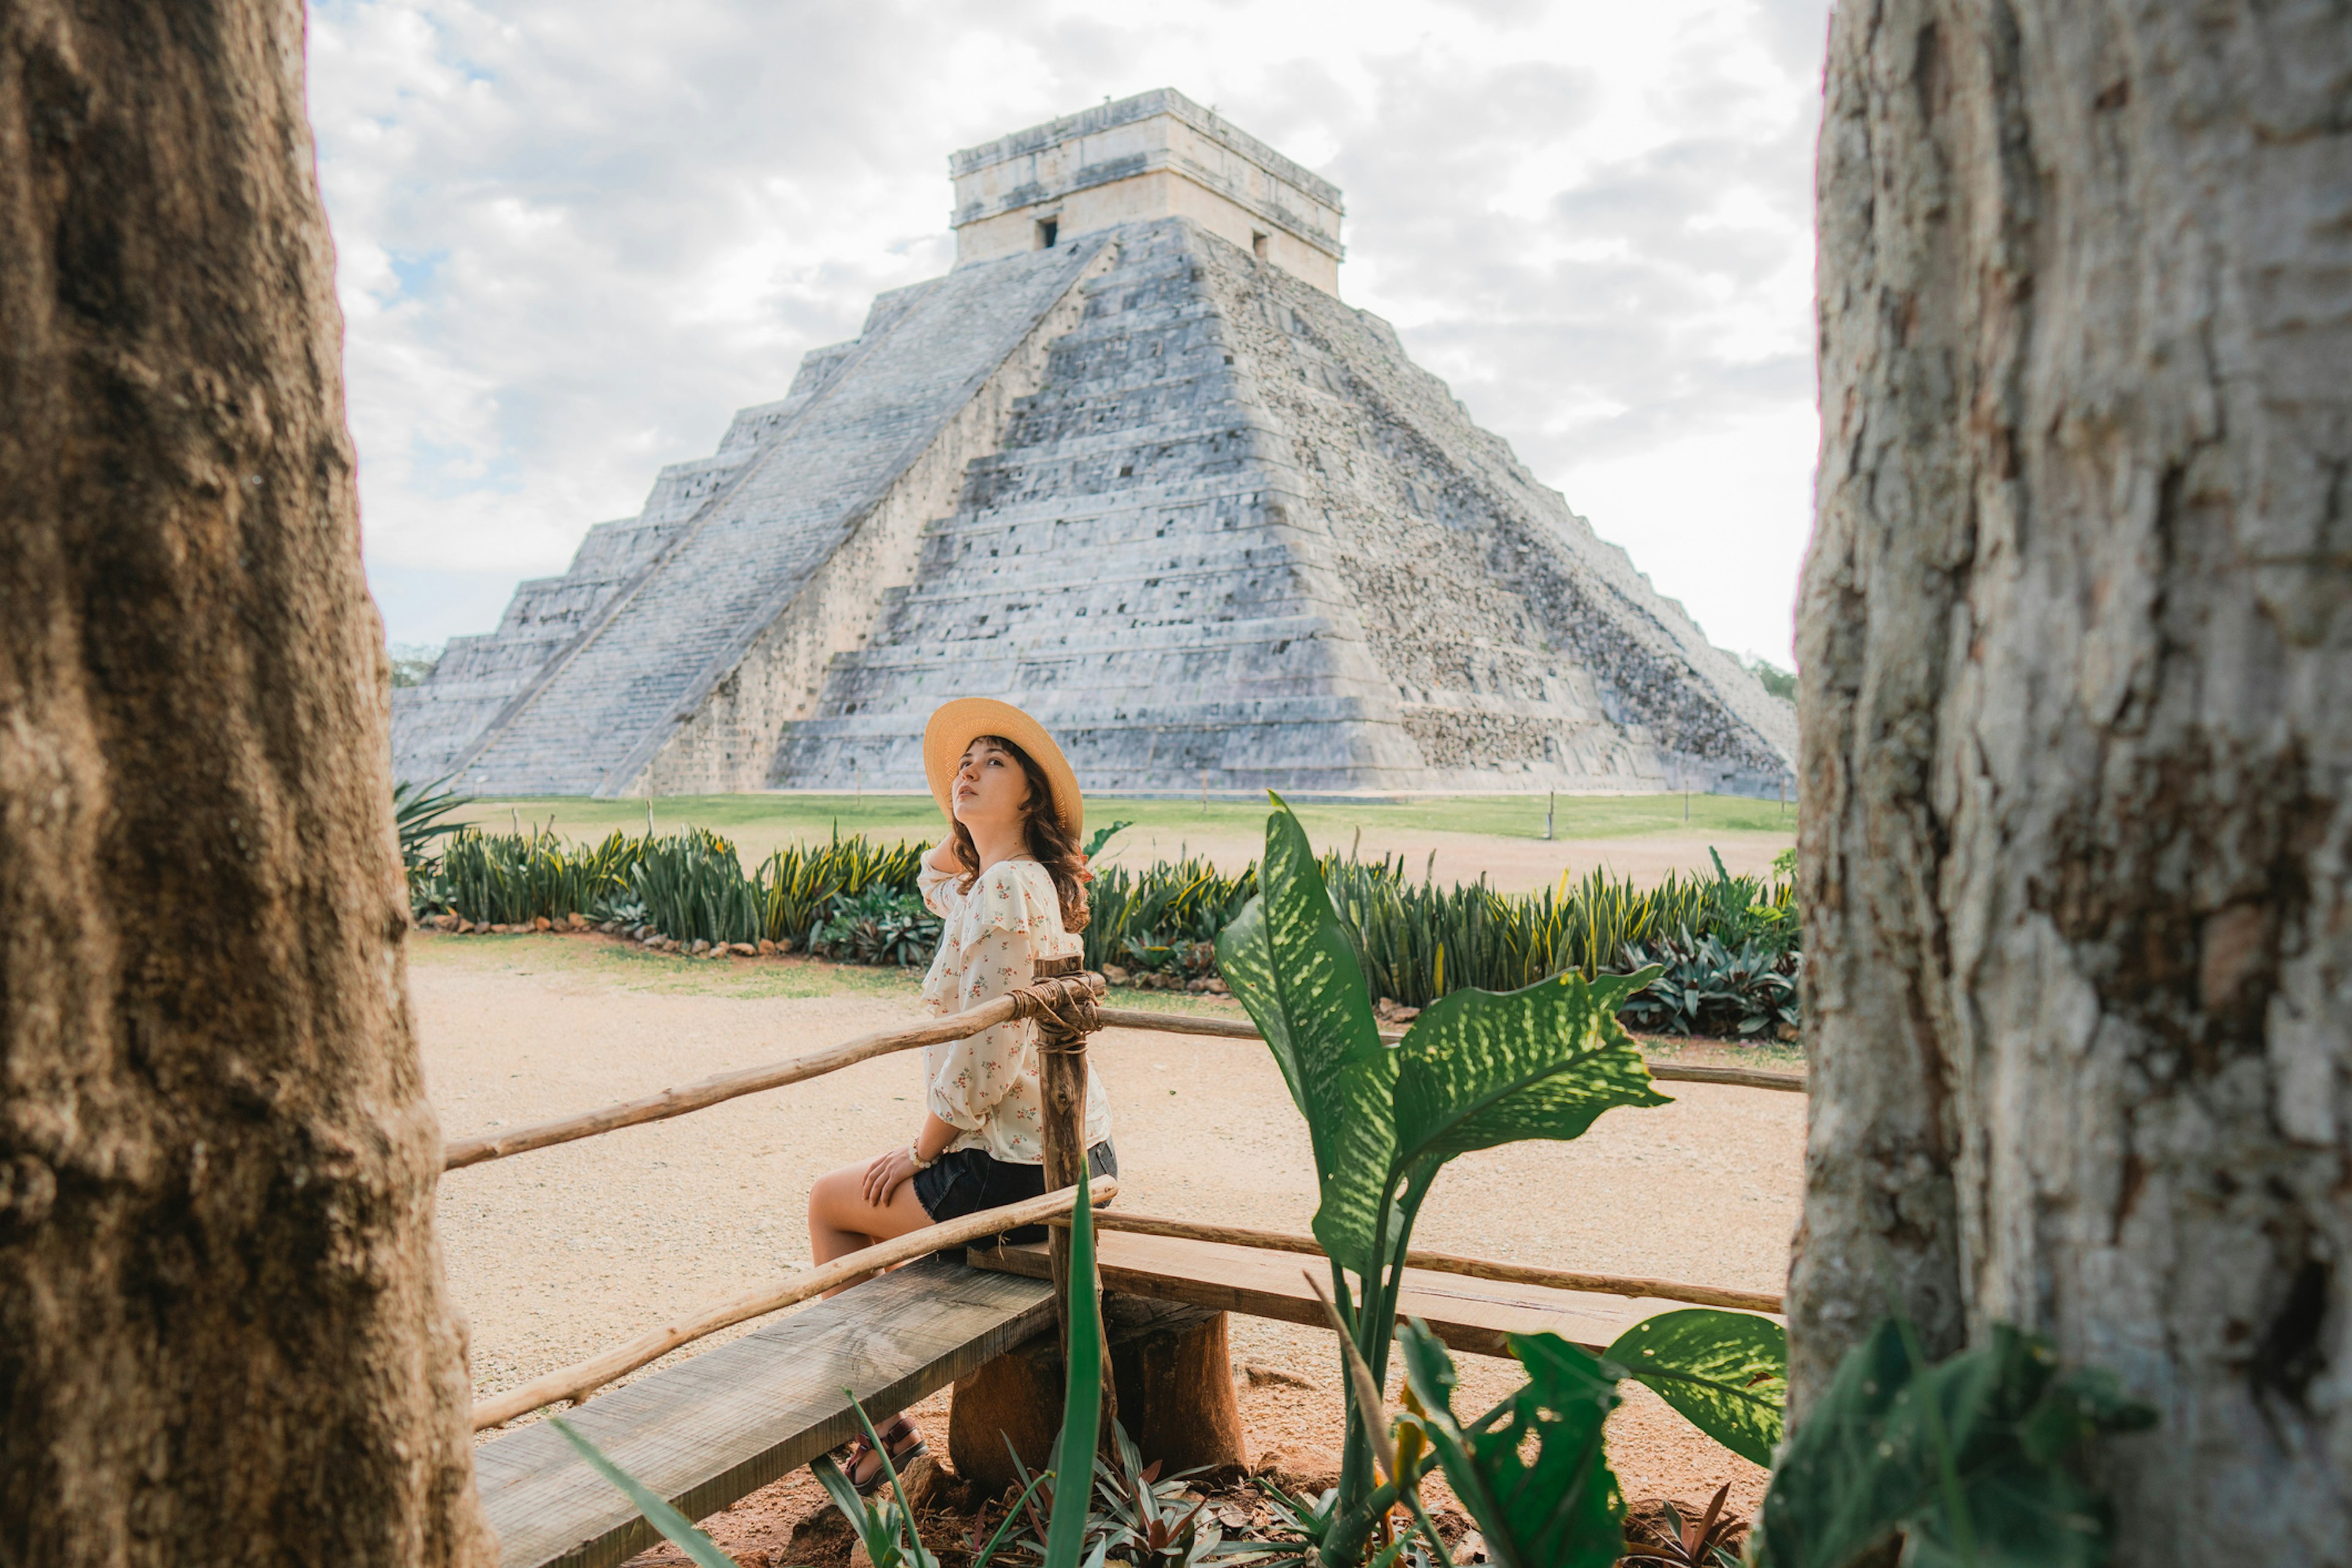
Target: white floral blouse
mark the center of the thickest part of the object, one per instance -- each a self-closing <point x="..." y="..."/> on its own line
<point x="985" y="1086"/>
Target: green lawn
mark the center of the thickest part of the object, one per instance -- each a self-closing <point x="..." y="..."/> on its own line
<point x="891" y="816"/>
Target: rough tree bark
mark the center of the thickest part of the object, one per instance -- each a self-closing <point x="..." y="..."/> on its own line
<point x="2077" y="634"/>
<point x="222" y="1337"/>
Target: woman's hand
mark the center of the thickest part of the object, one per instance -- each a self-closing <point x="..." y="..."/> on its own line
<point x="884" y="1174"/>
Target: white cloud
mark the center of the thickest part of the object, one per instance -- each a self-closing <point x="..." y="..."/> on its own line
<point x="574" y="237"/>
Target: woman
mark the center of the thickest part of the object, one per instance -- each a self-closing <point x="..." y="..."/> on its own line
<point x="1009" y="883"/>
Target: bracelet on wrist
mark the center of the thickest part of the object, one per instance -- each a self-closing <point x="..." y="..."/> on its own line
<point x="915" y="1157"/>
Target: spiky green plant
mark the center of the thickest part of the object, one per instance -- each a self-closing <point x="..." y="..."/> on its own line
<point x="515" y="878"/>
<point x="693" y="888"/>
<point x="421" y="813"/>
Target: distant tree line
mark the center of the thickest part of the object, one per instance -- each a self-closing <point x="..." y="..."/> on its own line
<point x="413" y="661"/>
<point x="1780" y="683"/>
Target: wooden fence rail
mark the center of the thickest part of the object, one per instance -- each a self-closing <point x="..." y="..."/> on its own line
<point x="582" y="1378"/>
<point x="723" y="1086"/>
<point x="1450" y="1263"/>
<point x="1243" y="1029"/>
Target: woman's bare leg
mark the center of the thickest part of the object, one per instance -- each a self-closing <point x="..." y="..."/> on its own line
<point x="842" y="1221"/>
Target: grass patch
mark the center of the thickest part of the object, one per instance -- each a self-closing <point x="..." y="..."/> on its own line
<point x="888" y="816"/>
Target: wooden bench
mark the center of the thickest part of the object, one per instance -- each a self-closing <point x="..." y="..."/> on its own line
<point x="1470" y="1315"/>
<point x="711" y="1430"/>
<point x="708" y="1431"/>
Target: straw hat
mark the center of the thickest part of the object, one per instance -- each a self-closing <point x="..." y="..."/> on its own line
<point x="958" y="724"/>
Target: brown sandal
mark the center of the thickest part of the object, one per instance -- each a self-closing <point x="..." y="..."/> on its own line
<point x="905" y="1445"/>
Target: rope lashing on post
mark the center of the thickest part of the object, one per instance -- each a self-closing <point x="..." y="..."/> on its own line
<point x="1068" y="1006"/>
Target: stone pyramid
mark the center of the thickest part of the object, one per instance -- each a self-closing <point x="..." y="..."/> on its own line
<point x="1131" y="465"/>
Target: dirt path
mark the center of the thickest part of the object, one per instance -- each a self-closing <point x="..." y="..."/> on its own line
<point x="557" y="1254"/>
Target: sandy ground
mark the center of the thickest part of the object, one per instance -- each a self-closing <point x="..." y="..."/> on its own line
<point x="557" y="1254"/>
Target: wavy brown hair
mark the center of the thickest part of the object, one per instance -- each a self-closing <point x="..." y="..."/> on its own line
<point x="1049" y="844"/>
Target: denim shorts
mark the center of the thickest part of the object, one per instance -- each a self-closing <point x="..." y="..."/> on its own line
<point x="966" y="1180"/>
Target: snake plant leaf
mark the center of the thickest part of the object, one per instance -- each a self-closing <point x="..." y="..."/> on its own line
<point x="1531" y="1473"/>
<point x="1726" y="1372"/>
<point x="1289" y="961"/>
<point x="1065" y="1528"/>
<point x="1479" y="1068"/>
<point x="1868" y="1461"/>
<point x="655" y="1509"/>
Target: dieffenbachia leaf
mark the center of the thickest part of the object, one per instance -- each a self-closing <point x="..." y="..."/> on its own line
<point x="1533" y="1477"/>
<point x="1289" y="961"/>
<point x="1867" y="1461"/>
<point x="1728" y="1372"/>
<point x="1479" y="1068"/>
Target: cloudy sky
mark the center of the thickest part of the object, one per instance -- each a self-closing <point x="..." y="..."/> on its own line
<point x="575" y="235"/>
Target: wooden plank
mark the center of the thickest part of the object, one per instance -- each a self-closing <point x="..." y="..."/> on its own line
<point x="581" y="1379"/>
<point x="1470" y="1315"/>
<point x="719" y="1426"/>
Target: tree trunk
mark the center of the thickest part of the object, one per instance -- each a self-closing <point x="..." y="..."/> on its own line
<point x="2077" y="639"/>
<point x="1175" y="1376"/>
<point x="222" y="1337"/>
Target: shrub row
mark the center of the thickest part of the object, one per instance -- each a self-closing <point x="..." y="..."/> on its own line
<point x="1729" y="944"/>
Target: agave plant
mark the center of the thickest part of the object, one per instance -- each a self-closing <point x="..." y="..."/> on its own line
<point x="1704" y="987"/>
<point x="1710" y="1540"/>
<point x="1150" y="1525"/>
<point x="877" y="926"/>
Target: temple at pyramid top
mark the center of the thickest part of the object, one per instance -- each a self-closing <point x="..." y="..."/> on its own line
<point x="1157" y="154"/>
<point x="1132" y="465"/>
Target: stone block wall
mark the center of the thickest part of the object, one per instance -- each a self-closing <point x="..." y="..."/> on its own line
<point x="1204" y="520"/>
<point x="1238" y="534"/>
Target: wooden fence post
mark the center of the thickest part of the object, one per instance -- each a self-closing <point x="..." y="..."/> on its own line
<point x="1067" y="1015"/>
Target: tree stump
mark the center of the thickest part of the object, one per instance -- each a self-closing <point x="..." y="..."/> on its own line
<point x="1174" y="1373"/>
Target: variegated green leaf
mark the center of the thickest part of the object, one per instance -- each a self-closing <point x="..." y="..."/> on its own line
<point x="1532" y="1474"/>
<point x="1728" y="1372"/>
<point x="1477" y="1068"/>
<point x="1289" y="961"/>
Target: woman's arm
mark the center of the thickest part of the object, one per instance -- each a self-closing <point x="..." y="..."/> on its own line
<point x="942" y="856"/>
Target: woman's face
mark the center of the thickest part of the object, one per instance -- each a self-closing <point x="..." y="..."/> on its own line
<point x="990" y="788"/>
